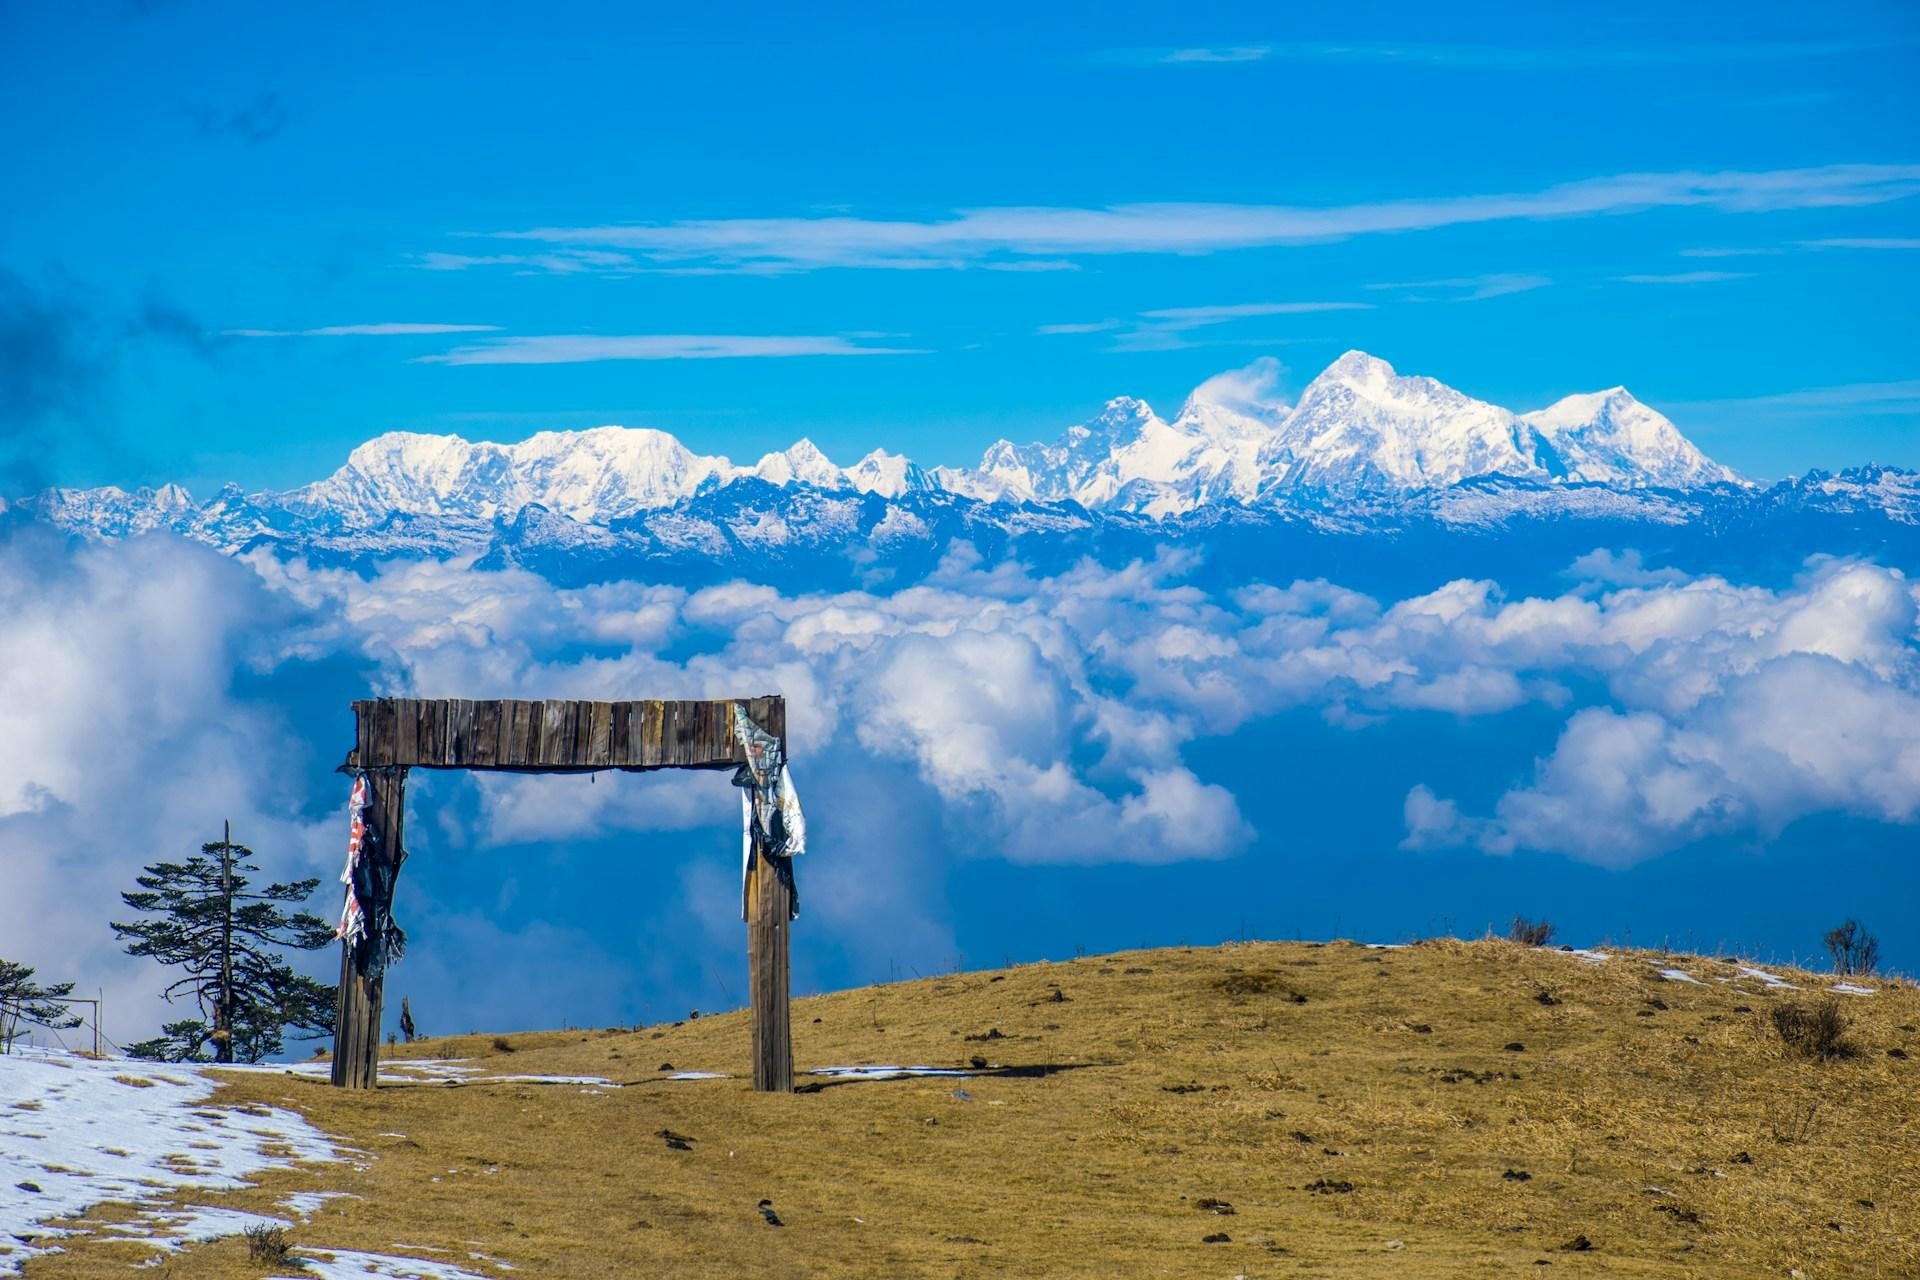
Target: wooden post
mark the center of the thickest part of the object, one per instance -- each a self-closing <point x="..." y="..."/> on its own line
<point x="356" y="1028"/>
<point x="769" y="919"/>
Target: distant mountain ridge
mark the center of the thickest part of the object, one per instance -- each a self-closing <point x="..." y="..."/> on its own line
<point x="1365" y="453"/>
<point x="1358" y="429"/>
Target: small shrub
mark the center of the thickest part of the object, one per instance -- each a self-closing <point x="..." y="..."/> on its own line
<point x="1530" y="933"/>
<point x="268" y="1244"/>
<point x="1814" y="1029"/>
<point x="1252" y="984"/>
<point x="1854" y="950"/>
<point x="502" y="1045"/>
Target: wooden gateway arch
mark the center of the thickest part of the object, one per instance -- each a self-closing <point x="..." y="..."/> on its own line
<point x="393" y="735"/>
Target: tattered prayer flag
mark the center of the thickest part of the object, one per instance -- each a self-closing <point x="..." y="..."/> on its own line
<point x="353" y="919"/>
<point x="769" y="803"/>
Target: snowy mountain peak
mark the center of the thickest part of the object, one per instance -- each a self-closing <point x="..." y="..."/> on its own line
<point x="1123" y="413"/>
<point x="1609" y="437"/>
<point x="801" y="463"/>
<point x="1358" y="369"/>
<point x="889" y="474"/>
<point x="1360" y="426"/>
<point x="600" y="474"/>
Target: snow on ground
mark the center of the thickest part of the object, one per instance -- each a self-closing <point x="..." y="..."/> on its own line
<point x="347" y="1264"/>
<point x="1766" y="979"/>
<point x="401" y="1071"/>
<point x="886" y="1073"/>
<point x="1772" y="981"/>
<point x="76" y="1131"/>
<point x="308" y="1203"/>
<point x="174" y="1229"/>
<point x="1678" y="975"/>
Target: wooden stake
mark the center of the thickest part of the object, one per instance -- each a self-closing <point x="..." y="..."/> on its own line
<point x="356" y="1028"/>
<point x="769" y="912"/>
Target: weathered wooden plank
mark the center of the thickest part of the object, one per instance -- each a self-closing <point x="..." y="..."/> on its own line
<point x="423" y="742"/>
<point x="553" y="727"/>
<point x="582" y="718"/>
<point x="386" y="729"/>
<point x="406" y="716"/>
<point x="356" y="1043"/>
<point x="564" y="734"/>
<point x="620" y="735"/>
<point x="536" y="715"/>
<point x="599" y="734"/>
<point x="519" y="718"/>
<point x="486" y="734"/>
<point x="769" y="908"/>
<point x="653" y="721"/>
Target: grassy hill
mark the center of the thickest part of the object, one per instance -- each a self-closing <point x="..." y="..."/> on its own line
<point x="1267" y="1109"/>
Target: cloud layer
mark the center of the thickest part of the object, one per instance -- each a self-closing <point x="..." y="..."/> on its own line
<point x="1013" y="234"/>
<point x="1050" y="717"/>
<point x="981" y="714"/>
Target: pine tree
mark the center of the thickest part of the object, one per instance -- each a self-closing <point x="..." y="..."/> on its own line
<point x="22" y="1000"/>
<point x="223" y="937"/>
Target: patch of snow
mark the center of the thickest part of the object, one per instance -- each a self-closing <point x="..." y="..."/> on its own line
<point x="1590" y="956"/>
<point x="1765" y="978"/>
<point x="84" y="1131"/>
<point x="172" y="1230"/>
<point x="886" y="1073"/>
<point x="699" y="1075"/>
<point x="409" y="1071"/>
<point x="348" y="1264"/>
<point x="1850" y="989"/>
<point x="308" y="1203"/>
<point x="1678" y="975"/>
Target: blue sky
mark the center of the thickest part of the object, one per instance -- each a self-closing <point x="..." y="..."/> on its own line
<point x="951" y="229"/>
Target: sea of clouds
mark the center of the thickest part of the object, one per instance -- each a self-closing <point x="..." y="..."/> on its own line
<point x="150" y="689"/>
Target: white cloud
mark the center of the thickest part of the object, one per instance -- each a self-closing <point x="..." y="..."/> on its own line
<point x="1897" y="397"/>
<point x="1491" y="57"/>
<point x="560" y="262"/>
<point x="1737" y="709"/>
<point x="383" y="330"/>
<point x="1475" y="288"/>
<point x="123" y="741"/>
<point x="1091" y="326"/>
<point x="1800" y="735"/>
<point x="1224" y="54"/>
<point x="1686" y="277"/>
<point x="979" y="236"/>
<point x="582" y="348"/>
<point x="1865" y="242"/>
<point x="1194" y="317"/>
<point x="1255" y="385"/>
<point x="1166" y="329"/>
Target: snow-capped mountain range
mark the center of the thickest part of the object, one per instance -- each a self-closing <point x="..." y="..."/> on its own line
<point x="1365" y="449"/>
<point x="1359" y="429"/>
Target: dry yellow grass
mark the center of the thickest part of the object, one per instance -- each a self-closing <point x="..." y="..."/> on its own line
<point x="1678" y="1138"/>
